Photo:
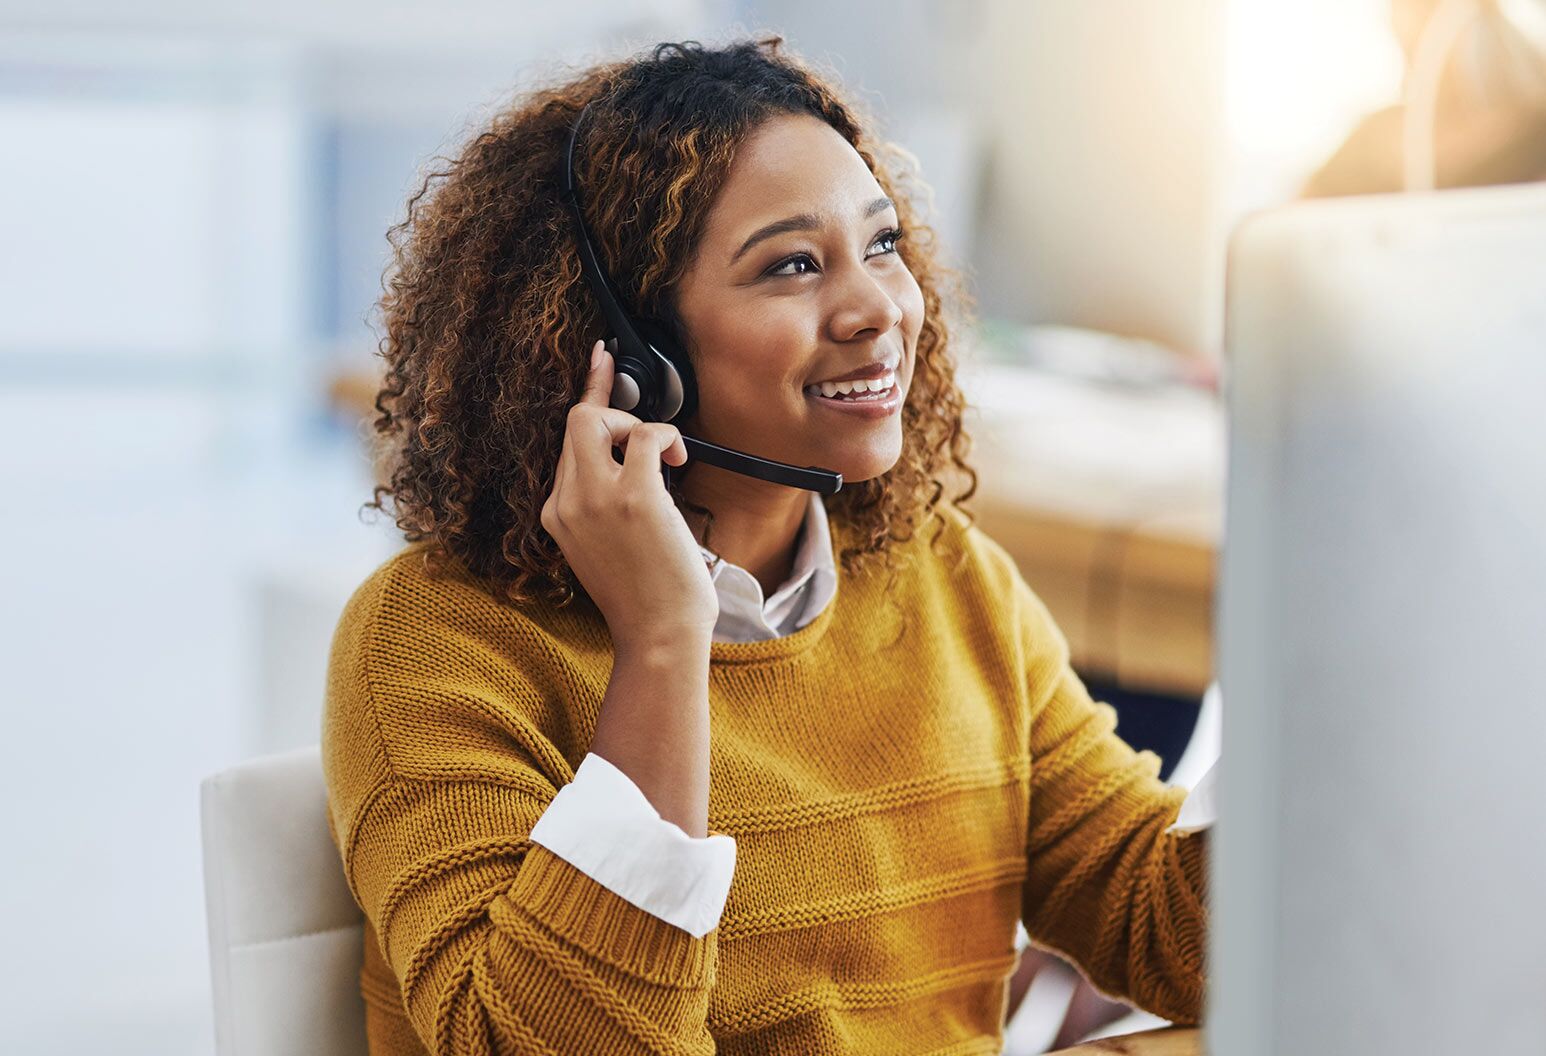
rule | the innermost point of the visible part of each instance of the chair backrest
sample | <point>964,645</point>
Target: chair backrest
<point>285,936</point>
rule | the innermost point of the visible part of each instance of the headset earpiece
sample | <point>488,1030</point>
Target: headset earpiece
<point>633,389</point>
<point>677,395</point>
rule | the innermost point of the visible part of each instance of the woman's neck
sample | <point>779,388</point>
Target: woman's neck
<point>756,523</point>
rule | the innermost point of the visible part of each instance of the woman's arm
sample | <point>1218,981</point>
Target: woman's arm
<point>1106,884</point>
<point>654,725</point>
<point>500,946</point>
<point>438,766</point>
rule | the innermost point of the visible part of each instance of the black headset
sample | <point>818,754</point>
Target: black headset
<point>653,378</point>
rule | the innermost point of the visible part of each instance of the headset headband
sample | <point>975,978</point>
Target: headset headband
<point>652,377</point>
<point>590,260</point>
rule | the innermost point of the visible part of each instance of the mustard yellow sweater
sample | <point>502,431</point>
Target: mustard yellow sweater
<point>900,794</point>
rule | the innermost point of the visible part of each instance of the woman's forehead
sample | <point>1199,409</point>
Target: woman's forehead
<point>792,164</point>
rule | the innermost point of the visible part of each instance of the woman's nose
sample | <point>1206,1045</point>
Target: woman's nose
<point>863,303</point>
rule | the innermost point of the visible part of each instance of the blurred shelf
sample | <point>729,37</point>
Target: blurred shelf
<point>1110,499</point>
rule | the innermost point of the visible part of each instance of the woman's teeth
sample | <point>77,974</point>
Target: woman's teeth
<point>862,389</point>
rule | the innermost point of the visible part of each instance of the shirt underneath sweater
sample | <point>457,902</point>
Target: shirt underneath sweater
<point>899,796</point>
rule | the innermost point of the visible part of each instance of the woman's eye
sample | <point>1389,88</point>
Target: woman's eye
<point>777,269</point>
<point>893,237</point>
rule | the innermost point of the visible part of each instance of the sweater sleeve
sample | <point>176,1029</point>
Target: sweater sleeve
<point>440,756</point>
<point>1106,884</point>
<point>501,946</point>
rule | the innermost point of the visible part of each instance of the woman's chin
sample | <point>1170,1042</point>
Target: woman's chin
<point>867,464</point>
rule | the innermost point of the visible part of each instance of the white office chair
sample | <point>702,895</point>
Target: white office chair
<point>285,936</point>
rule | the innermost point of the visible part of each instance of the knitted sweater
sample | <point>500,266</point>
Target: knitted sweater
<point>901,791</point>
<point>604,825</point>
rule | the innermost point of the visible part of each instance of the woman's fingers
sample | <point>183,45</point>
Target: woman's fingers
<point>598,383</point>
<point>666,442</point>
<point>596,392</point>
<point>594,427</point>
<point>593,432</point>
<point>623,537</point>
<point>648,443</point>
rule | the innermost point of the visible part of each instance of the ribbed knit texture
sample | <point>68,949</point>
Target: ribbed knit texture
<point>899,796</point>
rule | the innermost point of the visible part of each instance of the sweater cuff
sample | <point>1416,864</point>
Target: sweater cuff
<point>1199,810</point>
<point>602,824</point>
<point>580,911</point>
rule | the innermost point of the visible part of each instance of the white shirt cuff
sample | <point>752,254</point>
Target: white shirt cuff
<point>1199,810</point>
<point>604,825</point>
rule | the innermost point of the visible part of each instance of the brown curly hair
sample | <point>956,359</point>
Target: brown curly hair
<point>489,320</point>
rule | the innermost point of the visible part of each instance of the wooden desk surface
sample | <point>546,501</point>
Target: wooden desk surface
<point>1169,1041</point>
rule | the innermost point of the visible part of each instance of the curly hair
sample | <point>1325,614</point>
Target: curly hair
<point>489,321</point>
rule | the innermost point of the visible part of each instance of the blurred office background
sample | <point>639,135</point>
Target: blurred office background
<point>193,207</point>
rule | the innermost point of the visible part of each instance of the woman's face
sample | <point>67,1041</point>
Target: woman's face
<point>796,281</point>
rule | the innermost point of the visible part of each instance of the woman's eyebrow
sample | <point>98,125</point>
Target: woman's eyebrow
<point>801,222</point>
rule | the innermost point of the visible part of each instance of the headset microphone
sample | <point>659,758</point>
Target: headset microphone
<point>653,378</point>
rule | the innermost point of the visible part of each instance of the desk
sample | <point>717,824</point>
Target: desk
<point>1111,502</point>
<point>1170,1041</point>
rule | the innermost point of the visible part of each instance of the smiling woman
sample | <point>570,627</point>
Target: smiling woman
<point>556,850</point>
<point>765,231</point>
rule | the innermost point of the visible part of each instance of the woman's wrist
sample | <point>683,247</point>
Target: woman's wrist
<point>664,651</point>
<point>654,726</point>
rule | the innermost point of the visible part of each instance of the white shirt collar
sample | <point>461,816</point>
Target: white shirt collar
<point>745,616</point>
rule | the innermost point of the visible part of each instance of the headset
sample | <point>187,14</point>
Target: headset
<point>653,378</point>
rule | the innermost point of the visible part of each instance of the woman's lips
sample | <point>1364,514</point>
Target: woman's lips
<point>870,405</point>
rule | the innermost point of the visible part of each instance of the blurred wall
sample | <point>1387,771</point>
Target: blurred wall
<point>909,62</point>
<point>1076,147</point>
<point>1103,203</point>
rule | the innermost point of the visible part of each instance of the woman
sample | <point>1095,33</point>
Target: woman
<point>721,767</point>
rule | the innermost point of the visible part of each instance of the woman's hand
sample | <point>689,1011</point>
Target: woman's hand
<point>637,558</point>
<point>618,527</point>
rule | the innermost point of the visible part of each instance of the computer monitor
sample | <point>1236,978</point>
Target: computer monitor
<point>1380,871</point>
